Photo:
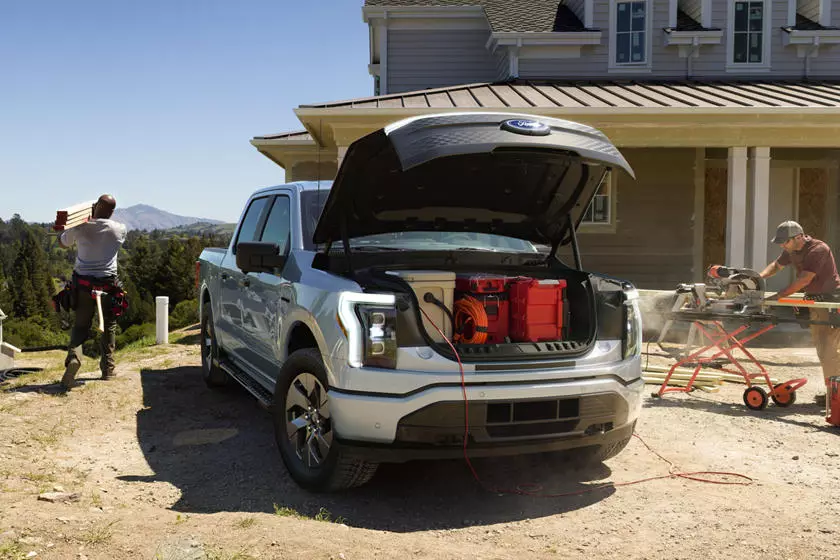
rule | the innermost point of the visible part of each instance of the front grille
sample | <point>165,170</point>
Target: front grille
<point>442,424</point>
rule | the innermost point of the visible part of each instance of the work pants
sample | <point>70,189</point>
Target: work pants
<point>827,341</point>
<point>85,314</point>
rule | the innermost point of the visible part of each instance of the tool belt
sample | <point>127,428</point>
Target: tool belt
<point>67,298</point>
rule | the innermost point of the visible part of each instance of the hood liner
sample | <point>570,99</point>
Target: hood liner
<point>466,173</point>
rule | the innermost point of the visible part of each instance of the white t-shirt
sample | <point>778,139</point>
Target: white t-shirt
<point>98,244</point>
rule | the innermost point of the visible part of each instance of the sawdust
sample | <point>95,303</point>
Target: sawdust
<point>169,469</point>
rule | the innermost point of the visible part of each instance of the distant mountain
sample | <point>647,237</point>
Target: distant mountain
<point>145,217</point>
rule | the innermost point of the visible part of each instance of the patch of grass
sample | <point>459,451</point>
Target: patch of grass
<point>287,512</point>
<point>10,550</point>
<point>99,535</point>
<point>96,499</point>
<point>323,515</point>
<point>219,554</point>
<point>39,477</point>
<point>246,522</point>
<point>181,519</point>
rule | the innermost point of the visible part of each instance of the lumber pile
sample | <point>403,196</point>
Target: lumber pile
<point>707,380</point>
<point>73,216</point>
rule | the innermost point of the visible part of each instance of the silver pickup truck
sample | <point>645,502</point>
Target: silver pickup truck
<point>418,307</point>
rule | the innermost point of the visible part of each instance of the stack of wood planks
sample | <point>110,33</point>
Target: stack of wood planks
<point>73,216</point>
<point>707,380</point>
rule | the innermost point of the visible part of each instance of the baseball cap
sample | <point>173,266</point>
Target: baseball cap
<point>786,230</point>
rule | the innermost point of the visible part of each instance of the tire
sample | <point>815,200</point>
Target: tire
<point>784,399</point>
<point>213,375</point>
<point>304,431</point>
<point>755,398</point>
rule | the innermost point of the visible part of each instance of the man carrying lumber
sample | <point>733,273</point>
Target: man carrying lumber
<point>98,243</point>
<point>816,275</point>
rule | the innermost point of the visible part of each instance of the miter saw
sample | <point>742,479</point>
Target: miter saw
<point>726,290</point>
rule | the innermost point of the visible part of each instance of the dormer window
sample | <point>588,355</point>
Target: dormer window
<point>630,39</point>
<point>808,27</point>
<point>809,14</point>
<point>690,27</point>
<point>748,47</point>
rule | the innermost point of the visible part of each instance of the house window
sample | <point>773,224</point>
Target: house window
<point>600,211</point>
<point>630,32</point>
<point>748,33</point>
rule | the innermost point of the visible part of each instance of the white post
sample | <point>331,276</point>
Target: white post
<point>736,208</point>
<point>760,176</point>
<point>162,320</point>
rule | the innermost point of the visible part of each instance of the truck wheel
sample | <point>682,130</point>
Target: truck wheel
<point>213,375</point>
<point>303,428</point>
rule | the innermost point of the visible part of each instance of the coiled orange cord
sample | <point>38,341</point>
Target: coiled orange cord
<point>471,321</point>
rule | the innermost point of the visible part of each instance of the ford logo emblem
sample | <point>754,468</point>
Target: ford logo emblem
<point>526,126</point>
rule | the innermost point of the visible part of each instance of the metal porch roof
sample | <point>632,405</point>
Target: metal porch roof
<point>609,94</point>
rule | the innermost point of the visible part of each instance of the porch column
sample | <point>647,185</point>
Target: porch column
<point>760,179</point>
<point>340,152</point>
<point>736,208</point>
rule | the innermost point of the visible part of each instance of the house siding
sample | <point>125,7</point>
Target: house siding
<point>421,59</point>
<point>651,248</point>
<point>502,57</point>
<point>667,63</point>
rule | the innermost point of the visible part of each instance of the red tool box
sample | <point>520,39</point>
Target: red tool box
<point>538,310</point>
<point>492,292</point>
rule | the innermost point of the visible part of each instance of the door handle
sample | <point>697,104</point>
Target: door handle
<point>224,275</point>
<point>246,282</point>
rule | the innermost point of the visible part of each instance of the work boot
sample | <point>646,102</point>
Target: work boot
<point>71,368</point>
<point>820,399</point>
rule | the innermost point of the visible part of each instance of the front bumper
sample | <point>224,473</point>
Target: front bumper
<point>504,417</point>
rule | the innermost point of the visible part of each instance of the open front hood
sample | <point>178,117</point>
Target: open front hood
<point>509,174</point>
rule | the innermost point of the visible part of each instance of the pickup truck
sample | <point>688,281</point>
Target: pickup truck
<point>345,306</point>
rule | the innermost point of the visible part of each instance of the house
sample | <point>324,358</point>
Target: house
<point>728,111</point>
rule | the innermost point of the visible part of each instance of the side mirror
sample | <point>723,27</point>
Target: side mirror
<point>254,256</point>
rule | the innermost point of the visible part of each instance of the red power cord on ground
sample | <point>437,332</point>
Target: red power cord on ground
<point>535,490</point>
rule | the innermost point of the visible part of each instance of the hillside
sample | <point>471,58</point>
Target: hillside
<point>145,217</point>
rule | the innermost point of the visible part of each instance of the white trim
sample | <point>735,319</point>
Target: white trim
<point>520,39</point>
<point>383,58</point>
<point>370,13</point>
<point>631,68</point>
<point>672,13</point>
<point>694,38</point>
<point>513,62</point>
<point>736,207</point>
<point>610,225</point>
<point>764,65</point>
<point>588,14</point>
<point>825,12</point>
<point>791,15</point>
<point>759,165</point>
<point>706,13</point>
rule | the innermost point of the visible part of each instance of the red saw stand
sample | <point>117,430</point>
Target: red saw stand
<point>720,342</point>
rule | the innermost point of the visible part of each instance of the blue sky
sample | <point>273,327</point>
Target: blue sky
<point>156,101</point>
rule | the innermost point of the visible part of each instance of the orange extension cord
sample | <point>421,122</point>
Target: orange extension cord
<point>535,490</point>
<point>471,321</point>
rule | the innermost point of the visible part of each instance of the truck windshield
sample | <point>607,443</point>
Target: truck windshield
<point>312,204</point>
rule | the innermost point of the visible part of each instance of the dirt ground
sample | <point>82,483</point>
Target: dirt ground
<point>164,468</point>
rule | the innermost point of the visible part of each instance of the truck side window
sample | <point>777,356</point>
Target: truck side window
<point>248,230</point>
<point>278,226</point>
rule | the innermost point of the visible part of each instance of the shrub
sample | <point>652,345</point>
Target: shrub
<point>184,314</point>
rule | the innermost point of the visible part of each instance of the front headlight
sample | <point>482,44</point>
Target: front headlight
<point>631,341</point>
<point>370,323</point>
